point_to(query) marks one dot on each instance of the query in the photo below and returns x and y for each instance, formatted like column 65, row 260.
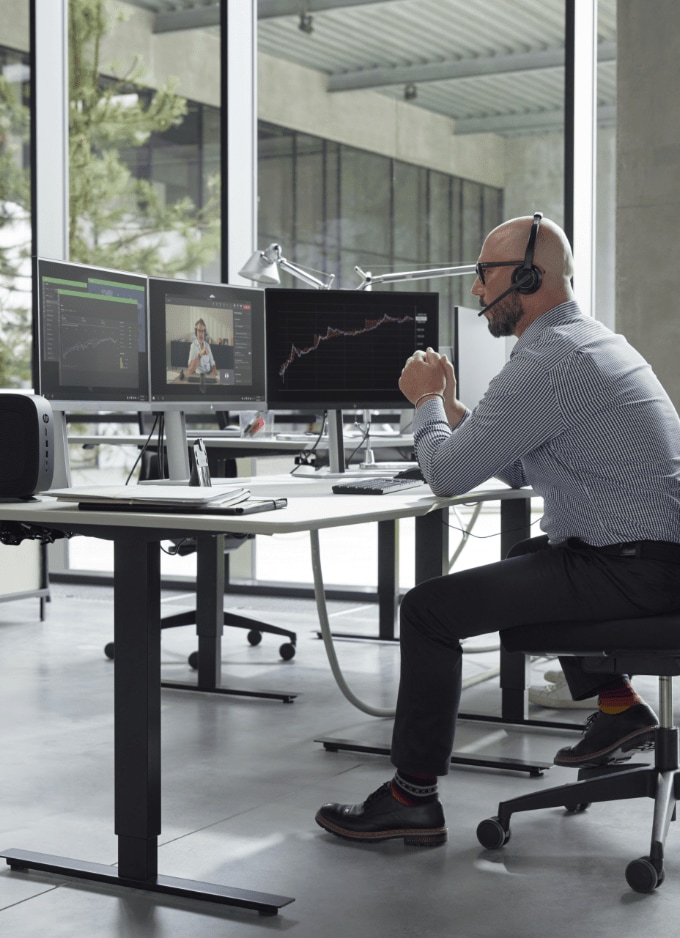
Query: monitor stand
column 369, row 458
column 176, row 442
column 336, row 442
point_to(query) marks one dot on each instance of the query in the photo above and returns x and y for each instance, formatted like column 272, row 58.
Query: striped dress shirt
column 577, row 414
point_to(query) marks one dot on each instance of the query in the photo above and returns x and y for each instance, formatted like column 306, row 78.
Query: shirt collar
column 565, row 312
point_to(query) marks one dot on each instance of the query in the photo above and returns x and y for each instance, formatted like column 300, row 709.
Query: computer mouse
column 415, row 473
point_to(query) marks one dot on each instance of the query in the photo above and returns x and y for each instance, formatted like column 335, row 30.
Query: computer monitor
column 92, row 342
column 343, row 349
column 478, row 356
column 206, row 346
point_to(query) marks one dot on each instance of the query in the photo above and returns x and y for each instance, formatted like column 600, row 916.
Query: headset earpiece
column 527, row 277
column 528, row 280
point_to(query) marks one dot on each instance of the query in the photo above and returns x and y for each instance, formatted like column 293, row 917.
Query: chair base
column 254, row 626
column 661, row 782
column 231, row 619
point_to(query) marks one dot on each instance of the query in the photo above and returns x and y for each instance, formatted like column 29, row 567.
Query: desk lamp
column 368, row 279
column 263, row 267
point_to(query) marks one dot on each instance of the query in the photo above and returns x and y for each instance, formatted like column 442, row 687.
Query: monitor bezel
column 209, row 398
column 367, row 398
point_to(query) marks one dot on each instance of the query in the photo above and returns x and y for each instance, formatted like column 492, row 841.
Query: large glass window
column 333, row 206
column 145, row 174
column 15, row 189
column 143, row 151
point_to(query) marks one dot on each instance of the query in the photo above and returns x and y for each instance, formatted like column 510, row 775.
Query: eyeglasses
column 481, row 265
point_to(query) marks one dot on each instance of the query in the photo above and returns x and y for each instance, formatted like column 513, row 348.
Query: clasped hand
column 429, row 372
column 425, row 372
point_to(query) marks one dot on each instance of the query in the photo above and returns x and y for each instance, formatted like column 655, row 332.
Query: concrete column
column 648, row 183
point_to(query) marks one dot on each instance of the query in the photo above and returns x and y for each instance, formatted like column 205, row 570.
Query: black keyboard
column 379, row 486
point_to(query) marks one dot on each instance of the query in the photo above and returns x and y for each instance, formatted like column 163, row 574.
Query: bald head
column 552, row 253
column 498, row 287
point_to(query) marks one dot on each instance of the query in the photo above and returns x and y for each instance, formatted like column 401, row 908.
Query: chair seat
column 654, row 640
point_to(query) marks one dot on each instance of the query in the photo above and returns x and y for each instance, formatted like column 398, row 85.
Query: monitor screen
column 92, row 345
column 343, row 348
column 206, row 345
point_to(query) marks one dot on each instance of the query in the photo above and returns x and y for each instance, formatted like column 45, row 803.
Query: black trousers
column 536, row 583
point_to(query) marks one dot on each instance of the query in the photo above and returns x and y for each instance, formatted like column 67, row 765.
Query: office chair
column 649, row 645
column 187, row 545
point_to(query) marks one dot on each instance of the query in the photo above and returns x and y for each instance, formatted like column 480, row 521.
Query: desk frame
column 432, row 552
column 137, row 676
column 137, row 737
column 137, row 681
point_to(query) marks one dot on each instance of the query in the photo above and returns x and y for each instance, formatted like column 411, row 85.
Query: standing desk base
column 283, row 695
column 261, row 902
column 534, row 769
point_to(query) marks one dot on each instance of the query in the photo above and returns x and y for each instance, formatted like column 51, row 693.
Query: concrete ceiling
column 493, row 66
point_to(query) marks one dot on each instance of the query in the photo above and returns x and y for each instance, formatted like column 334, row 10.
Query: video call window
column 207, row 341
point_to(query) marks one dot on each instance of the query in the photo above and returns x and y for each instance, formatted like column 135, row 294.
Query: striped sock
column 618, row 697
column 412, row 790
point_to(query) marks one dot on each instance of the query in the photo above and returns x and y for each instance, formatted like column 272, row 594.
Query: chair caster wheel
column 193, row 660
column 254, row 637
column 577, row 808
column 109, row 650
column 643, row 876
column 287, row 651
column 491, row 834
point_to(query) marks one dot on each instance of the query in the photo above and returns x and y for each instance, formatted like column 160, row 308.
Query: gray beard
column 505, row 317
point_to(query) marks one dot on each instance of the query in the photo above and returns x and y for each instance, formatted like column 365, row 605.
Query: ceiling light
column 305, row 23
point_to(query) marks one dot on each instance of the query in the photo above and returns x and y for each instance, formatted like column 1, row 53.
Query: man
column 577, row 414
column 201, row 359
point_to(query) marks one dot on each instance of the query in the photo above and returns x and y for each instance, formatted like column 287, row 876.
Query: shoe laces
column 590, row 719
column 385, row 787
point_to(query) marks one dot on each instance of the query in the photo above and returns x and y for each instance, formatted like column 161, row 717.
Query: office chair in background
column 150, row 469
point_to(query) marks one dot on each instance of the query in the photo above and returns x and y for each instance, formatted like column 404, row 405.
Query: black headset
column 527, row 278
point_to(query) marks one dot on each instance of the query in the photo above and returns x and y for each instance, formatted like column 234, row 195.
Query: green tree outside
column 116, row 220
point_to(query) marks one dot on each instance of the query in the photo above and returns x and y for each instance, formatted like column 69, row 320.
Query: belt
column 646, row 550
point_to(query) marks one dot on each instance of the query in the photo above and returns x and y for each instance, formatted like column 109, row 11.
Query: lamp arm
column 305, row 275
column 368, row 279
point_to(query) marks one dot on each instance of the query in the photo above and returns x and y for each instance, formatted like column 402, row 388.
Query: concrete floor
column 242, row 779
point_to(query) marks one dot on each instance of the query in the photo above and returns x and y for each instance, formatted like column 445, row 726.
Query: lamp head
column 263, row 266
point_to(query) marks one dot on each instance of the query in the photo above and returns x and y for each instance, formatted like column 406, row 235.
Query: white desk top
column 311, row 506
column 283, row 442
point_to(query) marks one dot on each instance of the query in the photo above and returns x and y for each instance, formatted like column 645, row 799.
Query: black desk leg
column 137, row 634
column 432, row 545
column 209, row 611
column 515, row 667
column 388, row 579
column 388, row 586
column 137, row 735
column 515, row 527
column 210, row 579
